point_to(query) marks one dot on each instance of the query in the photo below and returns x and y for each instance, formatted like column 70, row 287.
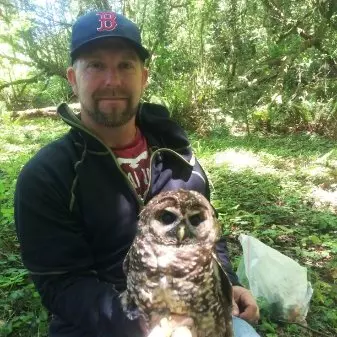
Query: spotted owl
column 172, row 267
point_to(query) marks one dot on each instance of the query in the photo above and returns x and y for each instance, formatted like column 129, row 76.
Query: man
column 77, row 201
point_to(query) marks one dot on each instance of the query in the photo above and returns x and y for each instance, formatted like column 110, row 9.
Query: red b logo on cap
column 107, row 20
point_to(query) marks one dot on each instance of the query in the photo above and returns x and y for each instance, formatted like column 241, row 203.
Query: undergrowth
column 282, row 190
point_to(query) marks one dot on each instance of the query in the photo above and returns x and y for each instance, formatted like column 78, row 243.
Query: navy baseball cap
column 95, row 26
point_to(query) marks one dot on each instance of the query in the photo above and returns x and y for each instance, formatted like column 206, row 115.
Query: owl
column 172, row 267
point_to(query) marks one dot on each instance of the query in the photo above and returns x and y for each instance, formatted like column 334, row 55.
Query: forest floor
column 279, row 189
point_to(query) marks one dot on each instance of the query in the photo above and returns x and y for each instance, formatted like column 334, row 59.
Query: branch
column 10, row 58
column 293, row 28
column 289, row 32
column 276, row 9
column 45, row 24
column 50, row 112
column 273, row 10
column 177, row 6
column 22, row 81
column 312, row 41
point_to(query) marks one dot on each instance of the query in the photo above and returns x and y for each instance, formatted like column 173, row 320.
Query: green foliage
column 50, row 91
column 265, row 186
column 21, row 313
column 268, row 64
column 35, row 50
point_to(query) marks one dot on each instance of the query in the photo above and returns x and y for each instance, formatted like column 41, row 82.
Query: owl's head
column 179, row 218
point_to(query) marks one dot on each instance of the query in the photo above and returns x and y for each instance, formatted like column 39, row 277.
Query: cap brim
column 141, row 51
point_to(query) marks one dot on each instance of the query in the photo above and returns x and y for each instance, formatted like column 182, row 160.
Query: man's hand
column 244, row 305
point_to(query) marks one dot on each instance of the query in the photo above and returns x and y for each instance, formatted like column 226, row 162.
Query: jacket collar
column 152, row 119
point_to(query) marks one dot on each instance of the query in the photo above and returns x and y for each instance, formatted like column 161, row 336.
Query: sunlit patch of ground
column 238, row 160
column 317, row 171
column 323, row 190
column 325, row 198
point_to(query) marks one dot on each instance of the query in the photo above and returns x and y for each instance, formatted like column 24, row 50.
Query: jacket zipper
column 141, row 201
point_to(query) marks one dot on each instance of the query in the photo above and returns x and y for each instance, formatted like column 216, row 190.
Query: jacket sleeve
column 58, row 257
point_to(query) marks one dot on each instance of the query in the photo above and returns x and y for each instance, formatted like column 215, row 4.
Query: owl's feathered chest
column 171, row 267
column 173, row 278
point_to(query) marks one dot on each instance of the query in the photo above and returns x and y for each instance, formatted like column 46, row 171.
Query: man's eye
column 126, row 65
column 96, row 65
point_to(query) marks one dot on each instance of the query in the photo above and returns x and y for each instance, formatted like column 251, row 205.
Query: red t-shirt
column 134, row 160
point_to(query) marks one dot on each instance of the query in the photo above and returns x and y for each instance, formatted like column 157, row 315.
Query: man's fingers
column 250, row 314
column 235, row 309
column 251, row 309
column 246, row 304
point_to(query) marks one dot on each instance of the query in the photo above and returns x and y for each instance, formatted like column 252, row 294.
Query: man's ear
column 145, row 76
column 71, row 76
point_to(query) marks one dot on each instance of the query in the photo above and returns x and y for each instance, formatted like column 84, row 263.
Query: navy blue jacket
column 76, row 216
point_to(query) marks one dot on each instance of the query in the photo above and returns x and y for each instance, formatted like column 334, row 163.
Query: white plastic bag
column 278, row 282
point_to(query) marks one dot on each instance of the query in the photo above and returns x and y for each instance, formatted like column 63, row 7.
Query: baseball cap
column 94, row 26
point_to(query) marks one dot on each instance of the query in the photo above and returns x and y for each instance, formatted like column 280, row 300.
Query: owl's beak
column 181, row 233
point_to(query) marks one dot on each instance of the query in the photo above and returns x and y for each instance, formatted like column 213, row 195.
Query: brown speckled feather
column 172, row 268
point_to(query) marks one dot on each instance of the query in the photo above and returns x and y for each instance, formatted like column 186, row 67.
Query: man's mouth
column 111, row 98
column 111, row 102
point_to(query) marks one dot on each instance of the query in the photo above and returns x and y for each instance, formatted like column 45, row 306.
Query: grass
column 282, row 190
column 21, row 313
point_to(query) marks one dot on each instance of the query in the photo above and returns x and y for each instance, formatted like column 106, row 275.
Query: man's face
column 109, row 82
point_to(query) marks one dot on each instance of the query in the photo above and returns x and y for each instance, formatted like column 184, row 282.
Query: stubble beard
column 114, row 118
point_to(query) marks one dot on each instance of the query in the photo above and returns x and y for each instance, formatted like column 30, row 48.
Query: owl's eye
column 167, row 218
column 196, row 219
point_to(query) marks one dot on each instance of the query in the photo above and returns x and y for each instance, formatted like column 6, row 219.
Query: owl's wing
column 224, row 281
column 128, row 260
column 126, row 263
column 127, row 300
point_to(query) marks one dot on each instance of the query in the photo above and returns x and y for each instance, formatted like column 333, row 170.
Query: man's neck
column 113, row 137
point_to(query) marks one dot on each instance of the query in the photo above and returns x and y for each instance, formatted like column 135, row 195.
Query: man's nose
column 112, row 78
